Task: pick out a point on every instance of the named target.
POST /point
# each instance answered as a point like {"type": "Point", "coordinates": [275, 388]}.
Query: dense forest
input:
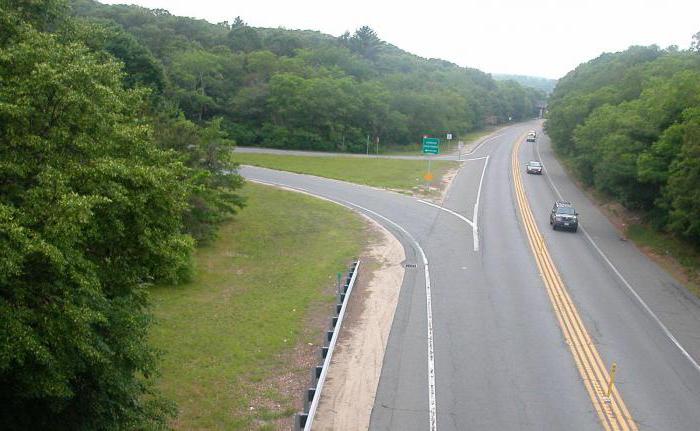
{"type": "Point", "coordinates": [302, 89]}
{"type": "Point", "coordinates": [103, 193]}
{"type": "Point", "coordinates": [545, 85]}
{"type": "Point", "coordinates": [629, 123]}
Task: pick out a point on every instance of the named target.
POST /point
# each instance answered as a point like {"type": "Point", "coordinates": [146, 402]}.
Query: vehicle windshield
{"type": "Point", "coordinates": [566, 210]}
{"type": "Point", "coordinates": [536, 164]}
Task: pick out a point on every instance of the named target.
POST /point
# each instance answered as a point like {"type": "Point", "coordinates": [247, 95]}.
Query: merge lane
{"type": "Point", "coordinates": [659, 385]}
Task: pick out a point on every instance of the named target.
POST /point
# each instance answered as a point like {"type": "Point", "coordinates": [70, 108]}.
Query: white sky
{"type": "Point", "coordinates": [537, 37]}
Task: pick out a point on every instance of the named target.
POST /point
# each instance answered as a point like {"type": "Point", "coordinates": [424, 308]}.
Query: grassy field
{"type": "Point", "coordinates": [228, 334]}
{"type": "Point", "coordinates": [388, 173]}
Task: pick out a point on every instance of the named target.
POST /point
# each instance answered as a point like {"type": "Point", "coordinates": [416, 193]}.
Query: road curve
{"type": "Point", "coordinates": [501, 360]}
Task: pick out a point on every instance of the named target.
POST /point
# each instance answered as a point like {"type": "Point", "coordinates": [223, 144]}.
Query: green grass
{"type": "Point", "coordinates": [225, 334]}
{"type": "Point", "coordinates": [378, 172]}
{"type": "Point", "coordinates": [666, 245]}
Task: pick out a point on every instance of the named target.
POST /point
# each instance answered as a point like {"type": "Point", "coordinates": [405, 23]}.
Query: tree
{"type": "Point", "coordinates": [627, 122]}
{"type": "Point", "coordinates": [242, 37]}
{"type": "Point", "coordinates": [366, 43]}
{"type": "Point", "coordinates": [682, 193]}
{"type": "Point", "coordinates": [208, 153]}
{"type": "Point", "coordinates": [140, 66]}
{"type": "Point", "coordinates": [90, 215]}
{"type": "Point", "coordinates": [695, 44]}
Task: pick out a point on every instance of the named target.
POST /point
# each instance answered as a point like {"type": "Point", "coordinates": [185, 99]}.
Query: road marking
{"type": "Point", "coordinates": [478, 194]}
{"type": "Point", "coordinates": [629, 287]}
{"type": "Point", "coordinates": [485, 141]}
{"type": "Point", "coordinates": [612, 411]}
{"type": "Point", "coordinates": [432, 405]}
{"type": "Point", "coordinates": [456, 214]}
{"type": "Point", "coordinates": [473, 224]}
{"type": "Point", "coordinates": [475, 230]}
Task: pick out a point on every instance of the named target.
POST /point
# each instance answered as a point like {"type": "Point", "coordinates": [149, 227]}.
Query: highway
{"type": "Point", "coordinates": [505, 324]}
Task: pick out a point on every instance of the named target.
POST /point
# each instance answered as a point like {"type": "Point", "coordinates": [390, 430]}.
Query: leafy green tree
{"type": "Point", "coordinates": [366, 43]}
{"type": "Point", "coordinates": [682, 194]}
{"type": "Point", "coordinates": [90, 215]}
{"type": "Point", "coordinates": [627, 123]}
{"type": "Point", "coordinates": [207, 152]}
{"type": "Point", "coordinates": [282, 43]}
{"type": "Point", "coordinates": [140, 66]}
{"type": "Point", "coordinates": [243, 38]}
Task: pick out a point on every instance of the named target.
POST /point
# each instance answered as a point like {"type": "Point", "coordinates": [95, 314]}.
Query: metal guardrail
{"type": "Point", "coordinates": [304, 420]}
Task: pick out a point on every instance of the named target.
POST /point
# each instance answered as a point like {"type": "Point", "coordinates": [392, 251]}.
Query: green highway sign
{"type": "Point", "coordinates": [431, 145]}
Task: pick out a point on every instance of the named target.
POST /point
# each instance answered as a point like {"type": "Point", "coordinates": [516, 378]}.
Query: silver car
{"type": "Point", "coordinates": [534, 167]}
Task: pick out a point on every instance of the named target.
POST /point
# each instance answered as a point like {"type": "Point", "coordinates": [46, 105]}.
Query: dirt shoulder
{"type": "Point", "coordinates": [348, 394]}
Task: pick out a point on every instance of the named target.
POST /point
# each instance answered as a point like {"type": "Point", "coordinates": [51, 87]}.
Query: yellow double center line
{"type": "Point", "coordinates": [612, 410]}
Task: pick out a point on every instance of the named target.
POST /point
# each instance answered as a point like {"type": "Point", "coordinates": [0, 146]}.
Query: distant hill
{"type": "Point", "coordinates": [543, 84]}
{"type": "Point", "coordinates": [300, 89]}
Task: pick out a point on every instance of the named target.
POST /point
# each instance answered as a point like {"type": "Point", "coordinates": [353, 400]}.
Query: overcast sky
{"type": "Point", "coordinates": [538, 37]}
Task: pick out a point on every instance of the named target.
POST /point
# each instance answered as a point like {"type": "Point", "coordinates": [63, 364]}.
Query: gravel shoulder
{"type": "Point", "coordinates": [348, 395]}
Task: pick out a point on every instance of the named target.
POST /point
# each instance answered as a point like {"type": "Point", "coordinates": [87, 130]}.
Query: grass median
{"type": "Point", "coordinates": [396, 174]}
{"type": "Point", "coordinates": [229, 337]}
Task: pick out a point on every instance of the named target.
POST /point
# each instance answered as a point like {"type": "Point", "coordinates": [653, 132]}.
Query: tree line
{"type": "Point", "coordinates": [104, 190]}
{"type": "Point", "coordinates": [303, 89]}
{"type": "Point", "coordinates": [629, 123]}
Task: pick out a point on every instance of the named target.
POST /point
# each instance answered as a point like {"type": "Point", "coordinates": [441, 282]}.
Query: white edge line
{"type": "Point", "coordinates": [619, 275]}
{"type": "Point", "coordinates": [474, 159]}
{"type": "Point", "coordinates": [428, 299]}
{"type": "Point", "coordinates": [484, 141]}
{"type": "Point", "coordinates": [475, 230]}
{"type": "Point", "coordinates": [474, 225]}
{"type": "Point", "coordinates": [478, 194]}
{"type": "Point", "coordinates": [456, 214]}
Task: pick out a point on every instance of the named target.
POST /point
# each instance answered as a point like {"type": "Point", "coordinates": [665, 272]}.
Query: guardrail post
{"type": "Point", "coordinates": [303, 420]}
{"type": "Point", "coordinates": [300, 421]}
{"type": "Point", "coordinates": [309, 397]}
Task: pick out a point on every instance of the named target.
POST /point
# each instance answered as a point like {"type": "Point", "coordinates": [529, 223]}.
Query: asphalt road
{"type": "Point", "coordinates": [454, 154]}
{"type": "Point", "coordinates": [477, 344]}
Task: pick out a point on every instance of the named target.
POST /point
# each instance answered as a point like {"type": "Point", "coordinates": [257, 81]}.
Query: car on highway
{"type": "Point", "coordinates": [531, 136]}
{"type": "Point", "coordinates": [534, 167]}
{"type": "Point", "coordinates": [563, 216]}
